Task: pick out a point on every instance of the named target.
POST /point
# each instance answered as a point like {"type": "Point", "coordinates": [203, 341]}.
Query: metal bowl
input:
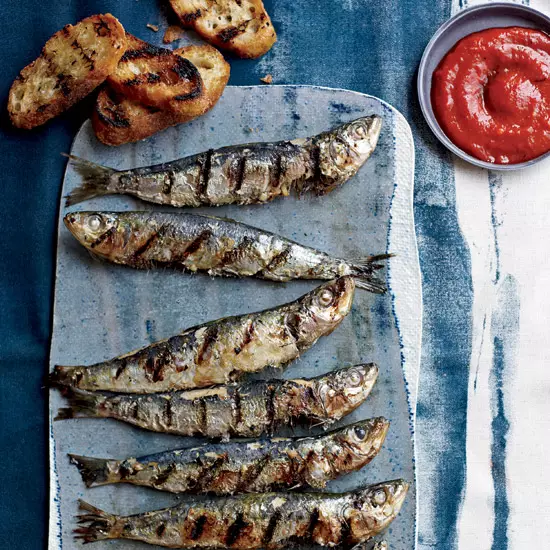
{"type": "Point", "coordinates": [468, 21]}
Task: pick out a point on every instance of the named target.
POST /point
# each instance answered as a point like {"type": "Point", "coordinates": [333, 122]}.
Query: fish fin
{"type": "Point", "coordinates": [91, 469]}
{"type": "Point", "coordinates": [83, 404]}
{"type": "Point", "coordinates": [100, 523]}
{"type": "Point", "coordinates": [96, 180]}
{"type": "Point", "coordinates": [363, 270]}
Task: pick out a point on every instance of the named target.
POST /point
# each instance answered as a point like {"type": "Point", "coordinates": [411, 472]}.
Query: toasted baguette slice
{"type": "Point", "coordinates": [155, 76]}
{"type": "Point", "coordinates": [240, 26]}
{"type": "Point", "coordinates": [117, 120]}
{"type": "Point", "coordinates": [73, 62]}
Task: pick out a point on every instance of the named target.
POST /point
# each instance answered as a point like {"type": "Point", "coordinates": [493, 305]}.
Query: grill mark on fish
{"type": "Point", "coordinates": [125, 470]}
{"type": "Point", "coordinates": [247, 338]}
{"type": "Point", "coordinates": [198, 527]}
{"type": "Point", "coordinates": [134, 410]}
{"type": "Point", "coordinates": [160, 530]}
{"type": "Point", "coordinates": [120, 369]}
{"type": "Point", "coordinates": [209, 340]}
{"type": "Point", "coordinates": [253, 474]}
{"type": "Point", "coordinates": [168, 183]}
{"type": "Point", "coordinates": [235, 253]}
{"type": "Point", "coordinates": [149, 243]}
{"type": "Point", "coordinates": [271, 527]}
{"type": "Point", "coordinates": [237, 407]}
{"type": "Point", "coordinates": [155, 363]}
{"type": "Point", "coordinates": [207, 476]}
{"type": "Point", "coordinates": [277, 171]}
{"type": "Point", "coordinates": [239, 176]}
{"type": "Point", "coordinates": [164, 475]}
{"type": "Point", "coordinates": [103, 237]}
{"type": "Point", "coordinates": [313, 520]}
{"type": "Point", "coordinates": [168, 412]}
{"type": "Point", "coordinates": [345, 531]}
{"type": "Point", "coordinates": [196, 244]}
{"type": "Point", "coordinates": [204, 176]}
{"type": "Point", "coordinates": [202, 416]}
{"type": "Point", "coordinates": [235, 529]}
{"type": "Point", "coordinates": [292, 323]}
{"type": "Point", "coordinates": [277, 260]}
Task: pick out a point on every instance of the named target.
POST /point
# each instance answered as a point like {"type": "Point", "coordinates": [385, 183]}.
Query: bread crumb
{"type": "Point", "coordinates": [267, 79]}
{"type": "Point", "coordinates": [153, 27]}
{"type": "Point", "coordinates": [173, 33]}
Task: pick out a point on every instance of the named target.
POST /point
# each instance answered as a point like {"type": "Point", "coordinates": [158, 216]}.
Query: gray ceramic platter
{"type": "Point", "coordinates": [465, 22]}
{"type": "Point", "coordinates": [102, 310]}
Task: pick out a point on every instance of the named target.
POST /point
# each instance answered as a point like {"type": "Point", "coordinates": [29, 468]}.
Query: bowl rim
{"type": "Point", "coordinates": [424, 95]}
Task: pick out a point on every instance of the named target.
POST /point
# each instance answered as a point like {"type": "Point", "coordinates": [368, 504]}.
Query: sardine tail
{"type": "Point", "coordinates": [100, 523]}
{"type": "Point", "coordinates": [83, 404]}
{"type": "Point", "coordinates": [92, 470]}
{"type": "Point", "coordinates": [363, 272]}
{"type": "Point", "coordinates": [96, 179]}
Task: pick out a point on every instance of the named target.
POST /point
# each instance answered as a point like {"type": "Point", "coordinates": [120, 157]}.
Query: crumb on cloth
{"type": "Point", "coordinates": [267, 79]}
{"type": "Point", "coordinates": [153, 27]}
{"type": "Point", "coordinates": [173, 32]}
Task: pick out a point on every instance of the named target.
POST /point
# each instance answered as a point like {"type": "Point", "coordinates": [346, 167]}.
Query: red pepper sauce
{"type": "Point", "coordinates": [491, 94]}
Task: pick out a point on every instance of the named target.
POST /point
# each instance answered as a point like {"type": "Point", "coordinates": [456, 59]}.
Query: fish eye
{"type": "Point", "coordinates": [325, 297]}
{"type": "Point", "coordinates": [360, 432]}
{"type": "Point", "coordinates": [359, 130]}
{"type": "Point", "coordinates": [94, 222]}
{"type": "Point", "coordinates": [355, 378]}
{"type": "Point", "coordinates": [379, 497]}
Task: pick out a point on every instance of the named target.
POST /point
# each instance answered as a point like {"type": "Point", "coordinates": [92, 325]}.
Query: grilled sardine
{"type": "Point", "coordinates": [220, 351]}
{"type": "Point", "coordinates": [245, 467]}
{"type": "Point", "coordinates": [241, 174]}
{"type": "Point", "coordinates": [246, 410]}
{"type": "Point", "coordinates": [218, 246]}
{"type": "Point", "coordinates": [247, 522]}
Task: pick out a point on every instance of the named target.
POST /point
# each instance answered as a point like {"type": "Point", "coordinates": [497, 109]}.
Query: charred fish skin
{"type": "Point", "coordinates": [247, 410]}
{"type": "Point", "coordinates": [246, 467]}
{"type": "Point", "coordinates": [221, 247]}
{"type": "Point", "coordinates": [241, 174]}
{"type": "Point", "coordinates": [220, 351]}
{"type": "Point", "coordinates": [249, 522]}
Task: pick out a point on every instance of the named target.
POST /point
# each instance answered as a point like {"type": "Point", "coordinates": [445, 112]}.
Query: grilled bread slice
{"type": "Point", "coordinates": [117, 120]}
{"type": "Point", "coordinates": [240, 26]}
{"type": "Point", "coordinates": [73, 62]}
{"type": "Point", "coordinates": [155, 76]}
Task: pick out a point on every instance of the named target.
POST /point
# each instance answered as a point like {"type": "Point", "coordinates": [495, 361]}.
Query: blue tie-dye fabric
{"type": "Point", "coordinates": [371, 46]}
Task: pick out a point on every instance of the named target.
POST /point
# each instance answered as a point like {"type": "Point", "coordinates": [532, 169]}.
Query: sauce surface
{"type": "Point", "coordinates": [491, 94]}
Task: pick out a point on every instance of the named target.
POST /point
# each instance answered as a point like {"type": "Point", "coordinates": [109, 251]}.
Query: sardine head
{"type": "Point", "coordinates": [362, 441]}
{"type": "Point", "coordinates": [342, 391]}
{"type": "Point", "coordinates": [374, 508]}
{"type": "Point", "coordinates": [94, 230]}
{"type": "Point", "coordinates": [323, 309]}
{"type": "Point", "coordinates": [344, 150]}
